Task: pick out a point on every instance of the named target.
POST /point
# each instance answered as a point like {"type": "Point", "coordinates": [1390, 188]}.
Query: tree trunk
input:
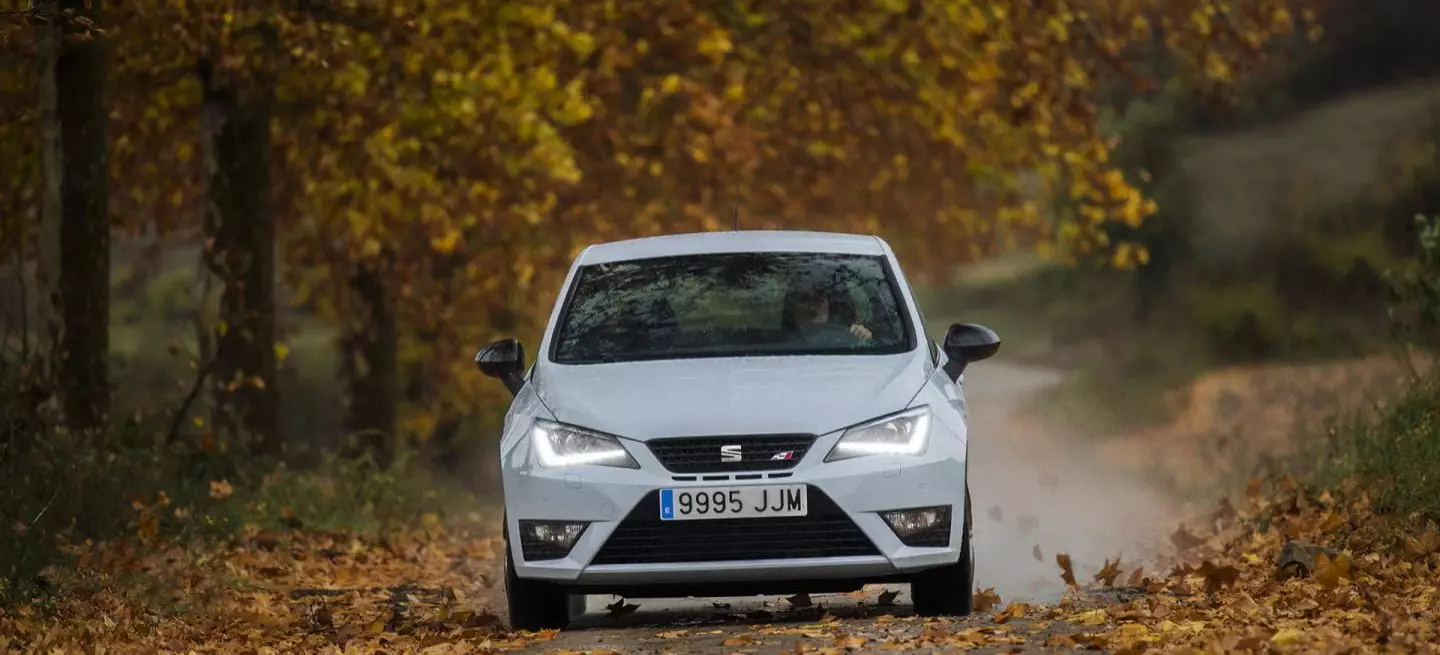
{"type": "Point", "coordinates": [75, 228]}
{"type": "Point", "coordinates": [240, 244]}
{"type": "Point", "coordinates": [369, 361]}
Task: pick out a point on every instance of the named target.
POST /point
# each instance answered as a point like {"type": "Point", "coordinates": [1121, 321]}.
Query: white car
{"type": "Point", "coordinates": [735, 413]}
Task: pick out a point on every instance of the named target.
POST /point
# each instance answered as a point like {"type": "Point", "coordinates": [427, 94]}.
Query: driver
{"type": "Point", "coordinates": [808, 308]}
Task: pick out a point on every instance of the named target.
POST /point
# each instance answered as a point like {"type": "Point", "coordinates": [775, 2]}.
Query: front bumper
{"type": "Point", "coordinates": [859, 488]}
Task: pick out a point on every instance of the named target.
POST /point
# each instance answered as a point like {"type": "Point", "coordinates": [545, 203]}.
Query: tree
{"type": "Point", "coordinates": [438, 163]}
{"type": "Point", "coordinates": [75, 225]}
{"type": "Point", "coordinates": [240, 252]}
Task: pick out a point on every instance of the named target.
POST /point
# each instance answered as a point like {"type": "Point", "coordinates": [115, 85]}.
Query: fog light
{"type": "Point", "coordinates": [540, 540]}
{"type": "Point", "coordinates": [921, 526]}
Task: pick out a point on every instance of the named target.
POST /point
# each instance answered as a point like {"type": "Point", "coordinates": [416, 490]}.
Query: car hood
{"type": "Point", "coordinates": [723, 396]}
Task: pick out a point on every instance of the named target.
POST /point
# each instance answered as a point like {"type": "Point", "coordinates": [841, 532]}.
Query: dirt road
{"type": "Point", "coordinates": [1037, 494]}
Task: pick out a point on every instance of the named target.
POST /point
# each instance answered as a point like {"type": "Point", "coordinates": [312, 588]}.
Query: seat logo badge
{"type": "Point", "coordinates": [730, 453]}
{"type": "Point", "coordinates": [786, 455]}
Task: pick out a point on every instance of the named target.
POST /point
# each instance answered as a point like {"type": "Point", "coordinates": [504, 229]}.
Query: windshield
{"type": "Point", "coordinates": [732, 305]}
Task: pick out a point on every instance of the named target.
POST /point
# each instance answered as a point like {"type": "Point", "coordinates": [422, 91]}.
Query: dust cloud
{"type": "Point", "coordinates": [1040, 491]}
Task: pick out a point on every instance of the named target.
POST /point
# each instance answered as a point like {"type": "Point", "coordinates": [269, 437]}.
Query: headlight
{"type": "Point", "coordinates": [906, 433]}
{"type": "Point", "coordinates": [560, 445]}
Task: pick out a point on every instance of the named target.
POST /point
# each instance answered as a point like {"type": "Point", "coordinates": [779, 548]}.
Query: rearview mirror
{"type": "Point", "coordinates": [504, 359]}
{"type": "Point", "coordinates": [966, 343]}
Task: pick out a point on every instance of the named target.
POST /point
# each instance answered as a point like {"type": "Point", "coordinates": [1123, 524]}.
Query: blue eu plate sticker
{"type": "Point", "coordinates": [667, 504]}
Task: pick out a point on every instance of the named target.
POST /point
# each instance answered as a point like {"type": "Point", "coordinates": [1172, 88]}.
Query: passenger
{"type": "Point", "coordinates": [809, 312]}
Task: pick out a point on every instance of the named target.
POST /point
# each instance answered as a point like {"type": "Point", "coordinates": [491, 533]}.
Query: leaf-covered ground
{"type": "Point", "coordinates": [1284, 569]}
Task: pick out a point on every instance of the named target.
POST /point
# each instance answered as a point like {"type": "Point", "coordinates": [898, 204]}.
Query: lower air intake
{"type": "Point", "coordinates": [643, 538]}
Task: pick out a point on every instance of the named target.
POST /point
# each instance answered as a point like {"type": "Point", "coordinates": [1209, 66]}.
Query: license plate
{"type": "Point", "coordinates": [732, 502]}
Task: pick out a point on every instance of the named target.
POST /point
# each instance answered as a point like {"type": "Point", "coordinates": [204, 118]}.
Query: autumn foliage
{"type": "Point", "coordinates": [433, 166]}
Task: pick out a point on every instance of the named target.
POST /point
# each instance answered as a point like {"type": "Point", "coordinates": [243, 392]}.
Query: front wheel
{"type": "Point", "coordinates": [949, 590]}
{"type": "Point", "coordinates": [535, 604]}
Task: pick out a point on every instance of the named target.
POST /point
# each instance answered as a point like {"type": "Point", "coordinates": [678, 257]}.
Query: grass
{"type": "Point", "coordinates": [1255, 190]}
{"type": "Point", "coordinates": [1398, 454]}
{"type": "Point", "coordinates": [1045, 313]}
{"type": "Point", "coordinates": [1081, 322]}
{"type": "Point", "coordinates": [1320, 158]}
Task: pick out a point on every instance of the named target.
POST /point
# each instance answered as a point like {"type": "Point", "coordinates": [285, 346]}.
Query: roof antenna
{"type": "Point", "coordinates": [736, 225]}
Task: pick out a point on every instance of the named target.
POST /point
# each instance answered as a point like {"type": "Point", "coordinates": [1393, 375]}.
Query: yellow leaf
{"type": "Point", "coordinates": [446, 243]}
{"type": "Point", "coordinates": [1217, 69]}
{"type": "Point", "coordinates": [1287, 637]}
{"type": "Point", "coordinates": [1329, 572]}
{"type": "Point", "coordinates": [148, 528]}
{"type": "Point", "coordinates": [715, 44]}
{"type": "Point", "coordinates": [1092, 617]}
{"type": "Point", "coordinates": [221, 489]}
{"type": "Point", "coordinates": [282, 351]}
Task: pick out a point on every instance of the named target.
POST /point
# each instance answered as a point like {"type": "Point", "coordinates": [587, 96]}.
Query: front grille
{"type": "Point", "coordinates": [757, 452]}
{"type": "Point", "coordinates": [643, 538]}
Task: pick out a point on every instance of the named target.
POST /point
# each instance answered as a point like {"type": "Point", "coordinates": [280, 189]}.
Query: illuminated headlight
{"type": "Point", "coordinates": [906, 433]}
{"type": "Point", "coordinates": [558, 445]}
{"type": "Point", "coordinates": [541, 540]}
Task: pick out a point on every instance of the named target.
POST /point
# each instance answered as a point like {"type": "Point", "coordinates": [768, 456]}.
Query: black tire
{"type": "Point", "coordinates": [949, 590]}
{"type": "Point", "coordinates": [534, 604]}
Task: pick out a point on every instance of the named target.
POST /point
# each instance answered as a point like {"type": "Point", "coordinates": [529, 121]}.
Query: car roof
{"type": "Point", "coordinates": [699, 243]}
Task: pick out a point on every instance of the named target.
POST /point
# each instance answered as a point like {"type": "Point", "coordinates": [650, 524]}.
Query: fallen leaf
{"type": "Point", "coordinates": [1011, 611]}
{"type": "Point", "coordinates": [1252, 490]}
{"type": "Point", "coordinates": [1218, 577]}
{"type": "Point", "coordinates": [1035, 552]}
{"type": "Point", "coordinates": [221, 489]}
{"type": "Point", "coordinates": [1108, 572]}
{"type": "Point", "coordinates": [1225, 513]}
{"type": "Point", "coordinates": [1067, 573]}
{"type": "Point", "coordinates": [738, 640]}
{"type": "Point", "coordinates": [1185, 541]}
{"type": "Point", "coordinates": [1330, 521]}
{"type": "Point", "coordinates": [985, 599]}
{"type": "Point", "coordinates": [1329, 572]}
{"type": "Point", "coordinates": [618, 608]}
{"type": "Point", "coordinates": [1288, 636]}
{"type": "Point", "coordinates": [1090, 617]}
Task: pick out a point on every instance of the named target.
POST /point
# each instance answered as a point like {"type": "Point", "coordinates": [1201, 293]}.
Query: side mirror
{"type": "Point", "coordinates": [966, 343]}
{"type": "Point", "coordinates": [504, 359]}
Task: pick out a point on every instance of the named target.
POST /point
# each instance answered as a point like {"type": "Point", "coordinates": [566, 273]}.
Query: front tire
{"type": "Point", "coordinates": [948, 590]}
{"type": "Point", "coordinates": [535, 604]}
